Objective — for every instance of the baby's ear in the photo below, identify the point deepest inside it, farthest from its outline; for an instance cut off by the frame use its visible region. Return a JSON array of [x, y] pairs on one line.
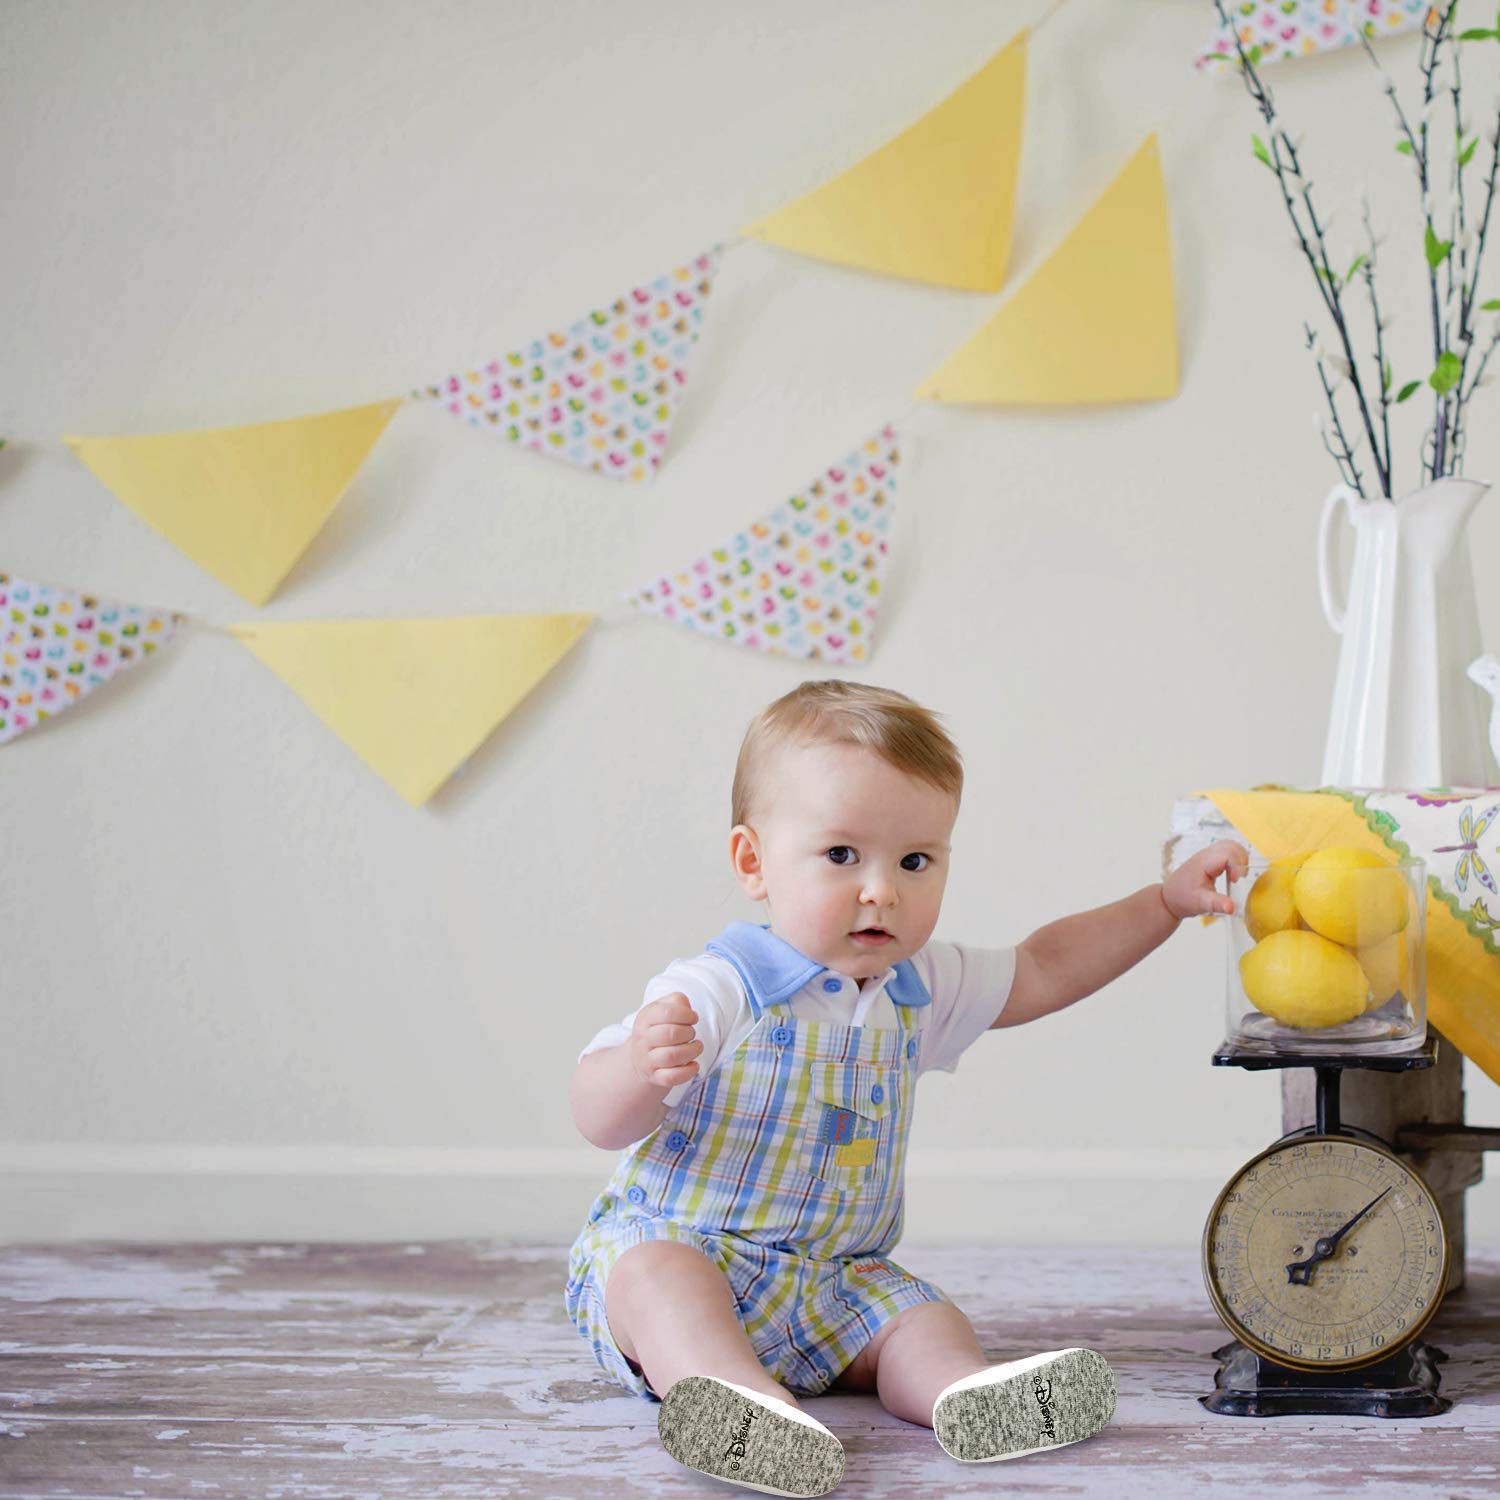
[[744, 859]]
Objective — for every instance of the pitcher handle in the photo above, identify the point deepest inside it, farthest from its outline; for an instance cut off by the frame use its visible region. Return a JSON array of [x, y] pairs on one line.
[[1339, 494]]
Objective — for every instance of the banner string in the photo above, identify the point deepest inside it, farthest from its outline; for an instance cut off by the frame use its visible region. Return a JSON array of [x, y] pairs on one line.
[[1048, 14]]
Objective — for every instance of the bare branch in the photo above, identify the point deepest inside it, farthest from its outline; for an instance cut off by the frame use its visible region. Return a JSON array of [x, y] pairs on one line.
[[1284, 162]]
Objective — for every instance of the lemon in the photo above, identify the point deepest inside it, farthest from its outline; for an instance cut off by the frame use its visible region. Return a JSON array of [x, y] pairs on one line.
[[1384, 964], [1351, 896], [1270, 906], [1303, 980]]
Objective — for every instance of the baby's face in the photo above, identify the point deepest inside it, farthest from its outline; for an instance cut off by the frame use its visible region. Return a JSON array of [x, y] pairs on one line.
[[843, 842]]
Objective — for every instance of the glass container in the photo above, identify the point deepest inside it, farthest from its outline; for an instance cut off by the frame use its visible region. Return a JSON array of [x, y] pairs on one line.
[[1327, 953]]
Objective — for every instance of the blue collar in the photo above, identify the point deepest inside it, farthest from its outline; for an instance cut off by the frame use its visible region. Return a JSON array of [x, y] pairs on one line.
[[773, 971]]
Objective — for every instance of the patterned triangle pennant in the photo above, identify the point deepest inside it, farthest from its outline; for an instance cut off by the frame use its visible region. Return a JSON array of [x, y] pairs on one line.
[[601, 393], [1296, 28], [57, 646], [804, 580]]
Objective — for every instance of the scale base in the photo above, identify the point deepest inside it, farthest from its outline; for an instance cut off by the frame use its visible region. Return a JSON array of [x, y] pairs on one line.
[[1404, 1385]]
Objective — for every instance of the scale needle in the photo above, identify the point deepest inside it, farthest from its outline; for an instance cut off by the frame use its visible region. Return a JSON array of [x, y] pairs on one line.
[[1299, 1272]]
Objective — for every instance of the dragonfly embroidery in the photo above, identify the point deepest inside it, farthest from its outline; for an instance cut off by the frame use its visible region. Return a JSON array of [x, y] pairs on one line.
[[1468, 851]]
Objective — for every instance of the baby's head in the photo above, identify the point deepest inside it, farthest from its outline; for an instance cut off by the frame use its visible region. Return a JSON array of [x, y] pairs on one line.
[[845, 796]]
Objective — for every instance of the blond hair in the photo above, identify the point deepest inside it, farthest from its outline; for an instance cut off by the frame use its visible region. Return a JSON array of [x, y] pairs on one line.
[[834, 712]]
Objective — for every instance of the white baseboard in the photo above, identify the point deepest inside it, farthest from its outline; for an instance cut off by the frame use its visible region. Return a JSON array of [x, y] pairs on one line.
[[54, 1193]]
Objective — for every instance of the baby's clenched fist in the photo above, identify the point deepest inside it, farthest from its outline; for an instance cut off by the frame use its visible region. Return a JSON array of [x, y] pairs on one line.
[[663, 1049]]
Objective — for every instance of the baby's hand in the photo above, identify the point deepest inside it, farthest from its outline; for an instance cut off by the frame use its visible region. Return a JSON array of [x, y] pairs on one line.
[[1189, 890], [662, 1044]]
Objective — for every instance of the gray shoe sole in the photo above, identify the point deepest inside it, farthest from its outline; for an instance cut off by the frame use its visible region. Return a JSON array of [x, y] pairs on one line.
[[710, 1426], [1062, 1400]]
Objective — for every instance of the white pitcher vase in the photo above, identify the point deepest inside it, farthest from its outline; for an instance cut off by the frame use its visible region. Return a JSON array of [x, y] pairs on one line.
[[1405, 714]]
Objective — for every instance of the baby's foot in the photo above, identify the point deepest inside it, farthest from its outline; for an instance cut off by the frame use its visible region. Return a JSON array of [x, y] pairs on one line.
[[1010, 1410], [734, 1433]]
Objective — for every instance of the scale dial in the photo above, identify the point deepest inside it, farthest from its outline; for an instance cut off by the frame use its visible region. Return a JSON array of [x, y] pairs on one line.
[[1325, 1252]]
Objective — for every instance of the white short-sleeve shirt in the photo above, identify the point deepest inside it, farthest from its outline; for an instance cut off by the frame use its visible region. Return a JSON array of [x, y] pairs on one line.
[[969, 987]]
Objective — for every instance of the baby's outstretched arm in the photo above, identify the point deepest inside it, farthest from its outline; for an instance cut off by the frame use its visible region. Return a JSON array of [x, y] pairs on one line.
[[1074, 956], [617, 1093]]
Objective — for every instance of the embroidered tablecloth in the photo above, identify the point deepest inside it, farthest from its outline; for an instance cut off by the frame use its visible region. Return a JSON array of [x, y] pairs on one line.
[[1453, 828]]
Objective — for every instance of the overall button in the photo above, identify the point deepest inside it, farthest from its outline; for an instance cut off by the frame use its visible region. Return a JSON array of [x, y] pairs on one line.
[[911, 1046], [877, 1093], [833, 986], [636, 1193], [781, 1035], [676, 1141]]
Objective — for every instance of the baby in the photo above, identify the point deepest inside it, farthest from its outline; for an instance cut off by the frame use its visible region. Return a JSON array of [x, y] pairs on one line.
[[739, 1255]]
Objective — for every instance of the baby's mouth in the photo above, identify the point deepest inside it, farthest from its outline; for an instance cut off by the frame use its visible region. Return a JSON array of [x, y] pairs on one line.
[[873, 935]]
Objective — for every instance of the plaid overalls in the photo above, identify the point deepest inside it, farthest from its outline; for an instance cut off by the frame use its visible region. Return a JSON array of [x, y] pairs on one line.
[[784, 1166]]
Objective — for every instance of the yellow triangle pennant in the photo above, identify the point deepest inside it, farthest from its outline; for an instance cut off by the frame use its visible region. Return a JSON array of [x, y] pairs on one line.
[[1096, 323], [415, 698], [242, 502], [935, 203]]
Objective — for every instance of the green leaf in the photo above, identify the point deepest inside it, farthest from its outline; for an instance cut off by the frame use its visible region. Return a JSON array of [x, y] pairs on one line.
[[1404, 147], [1449, 368], [1437, 250], [1254, 54], [1260, 151], [1329, 277], [1354, 265], [1475, 34], [1493, 305], [1407, 389], [1385, 377], [1467, 152]]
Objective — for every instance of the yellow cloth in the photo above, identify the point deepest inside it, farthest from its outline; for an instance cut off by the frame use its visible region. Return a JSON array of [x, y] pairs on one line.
[[1463, 968]]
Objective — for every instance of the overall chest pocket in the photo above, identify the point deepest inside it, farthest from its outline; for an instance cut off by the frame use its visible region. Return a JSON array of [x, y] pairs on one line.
[[848, 1123]]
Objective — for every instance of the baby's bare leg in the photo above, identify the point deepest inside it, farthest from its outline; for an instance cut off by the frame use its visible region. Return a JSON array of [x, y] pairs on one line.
[[672, 1311], [928, 1347]]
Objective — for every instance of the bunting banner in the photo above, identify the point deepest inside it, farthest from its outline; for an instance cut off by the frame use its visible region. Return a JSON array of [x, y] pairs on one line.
[[414, 698], [57, 646], [1097, 322], [600, 394], [1296, 28], [241, 502], [935, 203], [805, 579]]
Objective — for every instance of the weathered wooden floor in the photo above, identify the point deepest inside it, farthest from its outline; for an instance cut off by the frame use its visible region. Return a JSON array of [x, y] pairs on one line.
[[306, 1372]]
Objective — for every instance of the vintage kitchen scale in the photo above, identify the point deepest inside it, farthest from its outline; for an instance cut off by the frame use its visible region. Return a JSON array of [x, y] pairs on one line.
[[1326, 1257]]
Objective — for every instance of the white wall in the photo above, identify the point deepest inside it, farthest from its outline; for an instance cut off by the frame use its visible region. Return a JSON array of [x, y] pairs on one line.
[[246, 990]]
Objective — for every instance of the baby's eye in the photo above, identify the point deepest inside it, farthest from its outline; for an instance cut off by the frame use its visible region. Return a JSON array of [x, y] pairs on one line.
[[838, 852], [907, 865]]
